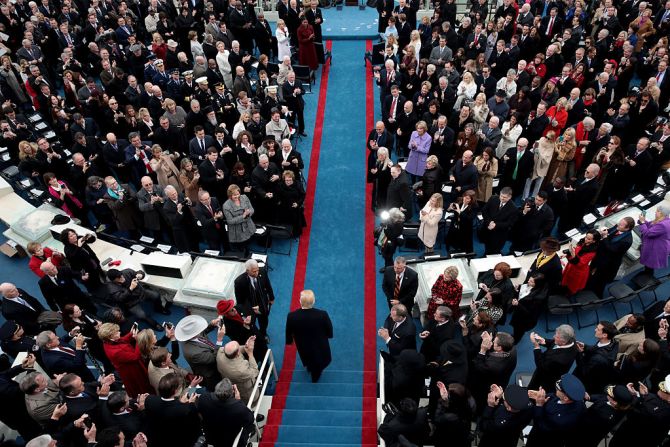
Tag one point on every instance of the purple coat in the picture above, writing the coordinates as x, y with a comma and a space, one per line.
416, 163
655, 244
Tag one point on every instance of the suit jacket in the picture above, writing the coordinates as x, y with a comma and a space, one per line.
653, 318
67, 291
532, 226
504, 217
399, 194
403, 337
492, 368
444, 54
489, 85
610, 253
201, 358
40, 406
310, 329
208, 179
195, 151
292, 99
23, 315
408, 286
439, 334
223, 420
151, 211
171, 422
550, 365
58, 362
210, 228
247, 297
241, 372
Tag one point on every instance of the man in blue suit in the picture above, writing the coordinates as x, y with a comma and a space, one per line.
58, 357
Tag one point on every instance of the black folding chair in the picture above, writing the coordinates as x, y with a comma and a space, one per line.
304, 75
558, 305
279, 232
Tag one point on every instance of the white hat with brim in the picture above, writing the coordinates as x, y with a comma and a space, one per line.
189, 327
172, 43
202, 80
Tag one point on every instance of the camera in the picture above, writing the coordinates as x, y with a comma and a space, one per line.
167, 325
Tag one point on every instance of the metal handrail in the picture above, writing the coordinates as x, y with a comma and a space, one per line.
382, 397
261, 383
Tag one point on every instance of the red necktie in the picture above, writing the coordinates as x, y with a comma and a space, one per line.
394, 104
396, 289
476, 39
550, 27
66, 350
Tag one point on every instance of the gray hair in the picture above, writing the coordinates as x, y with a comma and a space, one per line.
566, 333
43, 338
395, 215
40, 441
250, 263
664, 209
29, 382
607, 126
169, 188
224, 390
444, 311
588, 121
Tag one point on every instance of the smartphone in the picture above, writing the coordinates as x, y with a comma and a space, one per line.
136, 326
106, 261
167, 325
221, 324
88, 422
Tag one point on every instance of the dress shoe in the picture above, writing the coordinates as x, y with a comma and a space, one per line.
260, 418
267, 339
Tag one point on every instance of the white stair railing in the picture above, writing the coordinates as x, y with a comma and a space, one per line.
267, 369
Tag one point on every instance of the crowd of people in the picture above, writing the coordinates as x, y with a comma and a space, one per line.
176, 121
517, 120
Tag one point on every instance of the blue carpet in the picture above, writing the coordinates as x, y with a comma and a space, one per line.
350, 24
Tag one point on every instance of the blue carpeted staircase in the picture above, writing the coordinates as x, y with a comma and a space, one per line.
327, 413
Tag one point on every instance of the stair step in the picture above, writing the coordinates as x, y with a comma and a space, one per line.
327, 389
332, 403
325, 418
295, 444
336, 376
315, 434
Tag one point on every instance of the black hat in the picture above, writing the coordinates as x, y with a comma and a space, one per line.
112, 274
502, 93
8, 329
219, 85
620, 394
60, 219
175, 71
207, 110
517, 397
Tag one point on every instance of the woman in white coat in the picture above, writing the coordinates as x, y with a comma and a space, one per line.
224, 66
543, 153
511, 130
466, 90
430, 217
283, 41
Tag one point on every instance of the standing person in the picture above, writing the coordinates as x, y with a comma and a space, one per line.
254, 294
430, 217
391, 236
487, 170
199, 351
418, 148
461, 230
306, 48
238, 211
310, 328
315, 19
505, 415
548, 263
124, 353
556, 360
655, 240
81, 256
399, 194
579, 258
400, 284
500, 214
528, 305
614, 244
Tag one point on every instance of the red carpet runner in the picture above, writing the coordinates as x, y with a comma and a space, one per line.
368, 431
288, 363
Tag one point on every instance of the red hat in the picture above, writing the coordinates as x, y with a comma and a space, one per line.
224, 306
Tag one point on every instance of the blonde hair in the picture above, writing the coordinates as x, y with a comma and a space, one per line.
146, 341
107, 330
451, 271
307, 299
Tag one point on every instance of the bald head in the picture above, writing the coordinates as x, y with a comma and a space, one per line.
231, 349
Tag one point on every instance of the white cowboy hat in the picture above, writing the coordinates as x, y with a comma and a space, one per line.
189, 327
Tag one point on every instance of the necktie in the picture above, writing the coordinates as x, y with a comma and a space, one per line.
551, 25
501, 205
206, 341
388, 77
396, 289
202, 144
476, 39
394, 104
66, 350
516, 167
658, 77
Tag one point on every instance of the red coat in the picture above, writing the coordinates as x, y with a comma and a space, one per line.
35, 262
126, 358
577, 271
306, 49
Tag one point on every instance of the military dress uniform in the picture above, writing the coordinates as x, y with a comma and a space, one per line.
501, 427
224, 105
188, 87
601, 417
174, 89
204, 96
